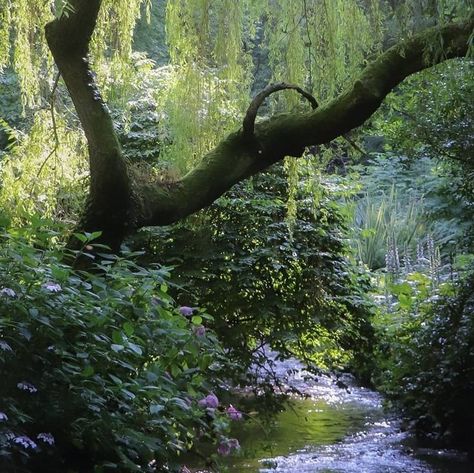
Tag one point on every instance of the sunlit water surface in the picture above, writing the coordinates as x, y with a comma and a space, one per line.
336, 430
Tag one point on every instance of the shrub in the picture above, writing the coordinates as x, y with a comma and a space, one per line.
295, 291
426, 358
99, 372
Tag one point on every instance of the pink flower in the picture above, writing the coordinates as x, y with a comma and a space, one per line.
186, 311
223, 449
210, 401
185, 469
234, 413
234, 444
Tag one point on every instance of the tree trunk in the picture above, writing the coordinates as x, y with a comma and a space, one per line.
109, 205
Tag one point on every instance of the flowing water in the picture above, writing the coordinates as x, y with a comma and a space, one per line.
336, 430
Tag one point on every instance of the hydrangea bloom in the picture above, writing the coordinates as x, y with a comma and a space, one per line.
25, 441
234, 444
52, 287
210, 401
3, 416
234, 413
6, 291
227, 445
46, 438
186, 311
200, 331
24, 386
223, 449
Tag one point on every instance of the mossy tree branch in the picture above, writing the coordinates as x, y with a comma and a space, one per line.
110, 201
115, 210
237, 158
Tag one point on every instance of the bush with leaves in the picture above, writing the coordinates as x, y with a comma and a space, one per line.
295, 291
100, 372
426, 357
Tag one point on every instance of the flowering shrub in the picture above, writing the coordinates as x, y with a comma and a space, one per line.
100, 372
425, 357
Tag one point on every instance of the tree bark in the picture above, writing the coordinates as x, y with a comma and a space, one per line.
109, 205
116, 210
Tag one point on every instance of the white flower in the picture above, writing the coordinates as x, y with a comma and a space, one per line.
24, 386
52, 287
6, 291
25, 441
46, 438
3, 416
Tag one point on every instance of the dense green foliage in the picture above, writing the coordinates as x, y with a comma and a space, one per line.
100, 372
266, 285
115, 368
415, 227
426, 358
431, 116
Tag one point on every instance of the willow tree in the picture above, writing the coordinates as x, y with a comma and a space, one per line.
319, 48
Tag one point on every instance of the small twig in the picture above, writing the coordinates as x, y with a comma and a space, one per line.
354, 144
251, 115
53, 119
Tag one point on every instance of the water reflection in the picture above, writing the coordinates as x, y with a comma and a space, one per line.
336, 431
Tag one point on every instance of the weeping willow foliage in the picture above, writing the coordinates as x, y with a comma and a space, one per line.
210, 80
45, 177
318, 44
45, 173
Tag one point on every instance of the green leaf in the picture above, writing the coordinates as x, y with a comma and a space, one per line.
156, 408
128, 329
81, 237
135, 348
94, 235
405, 301
87, 372
197, 320
117, 337
33, 312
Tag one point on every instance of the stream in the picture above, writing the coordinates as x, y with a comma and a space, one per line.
335, 430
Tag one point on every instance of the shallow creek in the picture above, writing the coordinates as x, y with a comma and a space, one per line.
336, 430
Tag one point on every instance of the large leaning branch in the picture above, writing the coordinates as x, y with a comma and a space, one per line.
235, 158
117, 205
